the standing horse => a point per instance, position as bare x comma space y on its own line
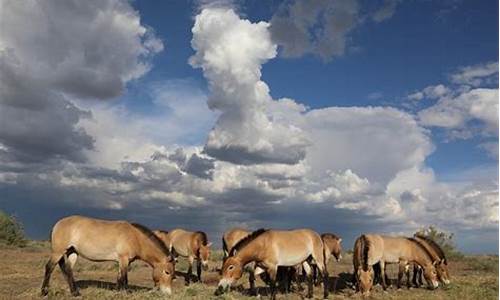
401, 250
437, 256
272, 248
193, 245
99, 240
231, 238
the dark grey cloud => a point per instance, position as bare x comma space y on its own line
323, 27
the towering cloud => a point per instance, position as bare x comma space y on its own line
230, 52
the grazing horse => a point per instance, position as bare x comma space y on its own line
401, 250
229, 240
193, 245
272, 248
100, 240
437, 256
363, 272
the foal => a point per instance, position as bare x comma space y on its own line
99, 240
193, 245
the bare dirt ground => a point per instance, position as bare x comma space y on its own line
21, 274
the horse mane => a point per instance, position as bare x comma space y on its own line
434, 246
204, 238
162, 231
152, 237
246, 240
330, 235
422, 247
365, 246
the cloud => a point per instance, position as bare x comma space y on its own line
386, 11
477, 75
430, 92
456, 112
53, 53
322, 27
89, 50
230, 51
317, 27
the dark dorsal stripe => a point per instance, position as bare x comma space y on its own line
246, 240
330, 235
365, 246
203, 236
434, 246
419, 245
152, 237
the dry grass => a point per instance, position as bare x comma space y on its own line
474, 277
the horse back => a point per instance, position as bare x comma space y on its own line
233, 236
93, 238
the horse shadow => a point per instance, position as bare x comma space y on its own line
83, 284
341, 282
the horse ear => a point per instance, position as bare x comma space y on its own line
209, 244
436, 262
340, 240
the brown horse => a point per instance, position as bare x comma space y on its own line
99, 240
363, 272
401, 250
437, 256
272, 248
193, 245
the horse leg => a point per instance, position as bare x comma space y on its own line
307, 269
382, 274
198, 269
68, 274
122, 281
401, 271
407, 271
419, 277
323, 272
190, 269
251, 279
49, 268
272, 280
414, 278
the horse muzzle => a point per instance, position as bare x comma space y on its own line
221, 290
166, 290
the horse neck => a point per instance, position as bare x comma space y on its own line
421, 256
251, 252
148, 251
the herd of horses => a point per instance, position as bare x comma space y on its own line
279, 257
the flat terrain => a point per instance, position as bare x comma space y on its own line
21, 274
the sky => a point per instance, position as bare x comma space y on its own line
344, 116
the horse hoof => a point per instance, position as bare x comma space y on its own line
44, 292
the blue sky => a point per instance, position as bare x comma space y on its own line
356, 115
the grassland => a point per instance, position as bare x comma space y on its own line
21, 274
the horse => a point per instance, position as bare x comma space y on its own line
363, 272
333, 245
401, 250
272, 248
231, 238
193, 245
101, 240
437, 255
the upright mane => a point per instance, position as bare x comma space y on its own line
330, 235
426, 251
365, 246
152, 237
246, 240
434, 246
204, 239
